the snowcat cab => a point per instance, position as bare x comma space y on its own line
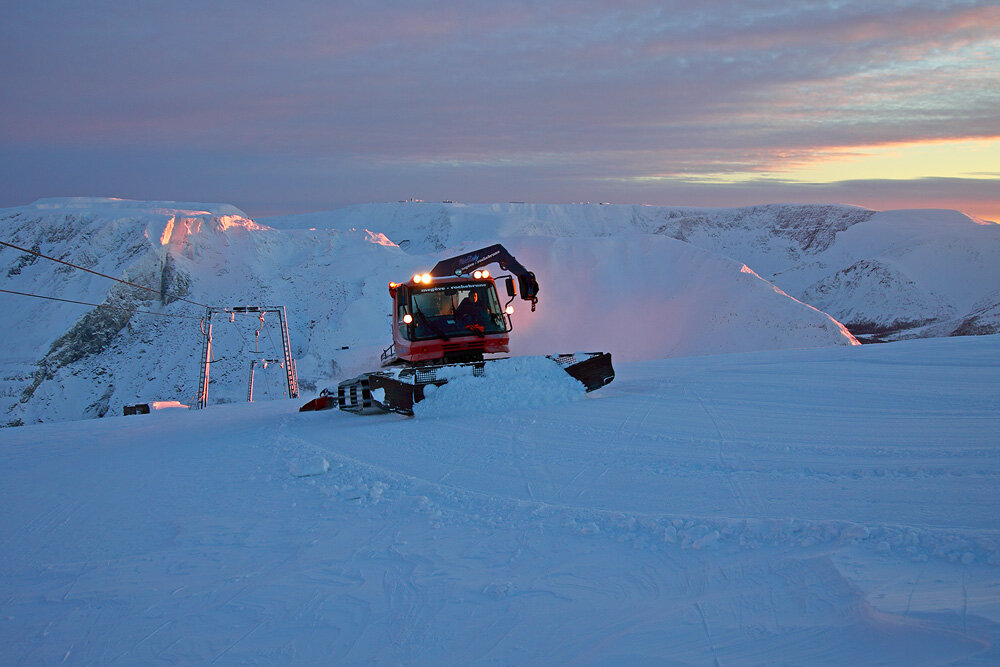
451, 319
443, 323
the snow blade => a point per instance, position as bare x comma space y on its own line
594, 370
322, 402
398, 390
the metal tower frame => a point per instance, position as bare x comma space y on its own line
287, 362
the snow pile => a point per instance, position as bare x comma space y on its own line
509, 385
308, 466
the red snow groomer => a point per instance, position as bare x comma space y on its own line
443, 323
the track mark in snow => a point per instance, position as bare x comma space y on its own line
724, 466
508, 626
909, 597
238, 641
137, 644
708, 633
965, 603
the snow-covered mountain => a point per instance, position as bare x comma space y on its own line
640, 282
907, 274
898, 274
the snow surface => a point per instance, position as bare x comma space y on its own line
824, 506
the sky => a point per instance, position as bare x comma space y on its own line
312, 105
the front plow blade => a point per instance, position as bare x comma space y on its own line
593, 369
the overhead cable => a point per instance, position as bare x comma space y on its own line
103, 275
98, 305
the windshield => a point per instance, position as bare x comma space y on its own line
462, 309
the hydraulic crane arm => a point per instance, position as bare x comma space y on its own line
477, 259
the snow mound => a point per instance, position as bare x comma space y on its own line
508, 386
308, 466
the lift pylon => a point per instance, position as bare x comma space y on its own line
291, 377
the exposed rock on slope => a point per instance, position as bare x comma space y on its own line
984, 318
866, 292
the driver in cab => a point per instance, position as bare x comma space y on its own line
473, 313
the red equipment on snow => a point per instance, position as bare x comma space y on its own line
443, 323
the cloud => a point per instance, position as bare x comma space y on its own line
589, 89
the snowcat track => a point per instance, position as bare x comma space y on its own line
379, 392
356, 396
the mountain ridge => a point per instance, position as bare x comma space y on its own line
612, 276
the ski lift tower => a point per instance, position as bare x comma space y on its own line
206, 349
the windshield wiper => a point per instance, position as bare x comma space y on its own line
430, 325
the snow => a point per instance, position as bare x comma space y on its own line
926, 264
310, 466
833, 505
609, 282
754, 487
507, 385
923, 265
923, 272
653, 297
165, 405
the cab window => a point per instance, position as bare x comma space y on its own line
454, 311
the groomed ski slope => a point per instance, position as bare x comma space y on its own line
831, 506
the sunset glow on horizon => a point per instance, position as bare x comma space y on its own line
964, 158
970, 159
320, 105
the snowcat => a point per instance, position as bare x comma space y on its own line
444, 323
